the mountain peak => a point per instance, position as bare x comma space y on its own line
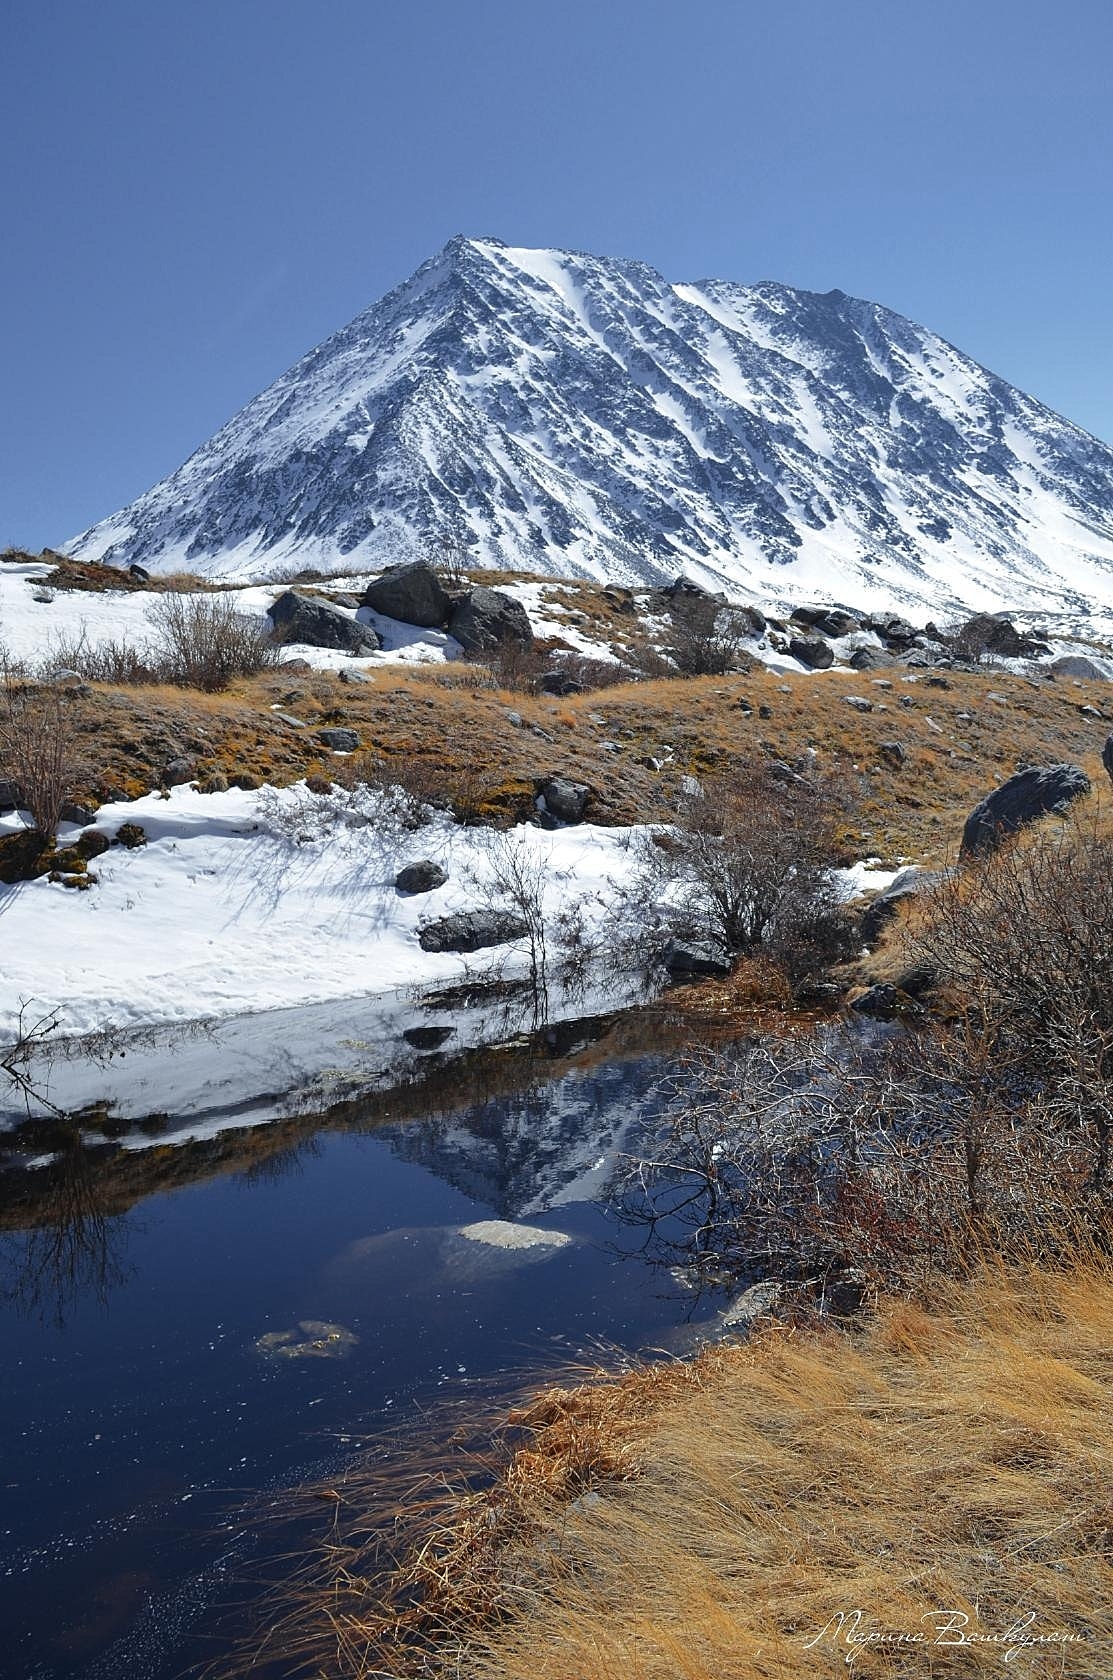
577, 415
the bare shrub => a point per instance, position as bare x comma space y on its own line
202, 641
745, 868
706, 638
114, 660
38, 750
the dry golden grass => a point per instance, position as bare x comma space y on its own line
752, 1513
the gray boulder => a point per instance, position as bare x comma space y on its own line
998, 635
1025, 797
485, 618
471, 930
558, 683
339, 740
829, 621
565, 799
9, 796
413, 593
812, 651
74, 812
893, 630
428, 1038
683, 958
869, 659
1076, 665
420, 877
303, 618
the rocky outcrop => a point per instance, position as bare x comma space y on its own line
303, 618
413, 593
1076, 665
565, 799
1024, 798
812, 651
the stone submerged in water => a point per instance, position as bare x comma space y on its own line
1025, 797
313, 1338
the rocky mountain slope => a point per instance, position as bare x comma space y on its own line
579, 416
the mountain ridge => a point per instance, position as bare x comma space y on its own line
566, 414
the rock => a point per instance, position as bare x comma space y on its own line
893, 630
1076, 665
139, 574
130, 835
859, 702
413, 593
486, 617
302, 618
910, 883
178, 772
812, 651
829, 621
289, 719
1106, 759
765, 711
353, 674
73, 812
917, 981
9, 796
471, 930
421, 877
939, 682
43, 595
247, 780
892, 752
565, 799
684, 589
339, 740
753, 1303
880, 1002
297, 668
428, 1038
998, 635
558, 683
869, 659
1028, 795
682, 958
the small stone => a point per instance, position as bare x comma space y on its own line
353, 674
423, 876
859, 702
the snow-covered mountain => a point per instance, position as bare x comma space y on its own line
583, 416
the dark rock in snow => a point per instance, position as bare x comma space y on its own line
829, 621
1028, 795
73, 812
412, 593
421, 877
302, 618
471, 930
894, 631
812, 651
565, 799
339, 740
682, 958
486, 617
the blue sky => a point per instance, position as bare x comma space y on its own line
193, 194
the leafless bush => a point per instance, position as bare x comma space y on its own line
706, 638
201, 641
38, 750
111, 661
745, 869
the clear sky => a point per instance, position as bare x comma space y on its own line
195, 192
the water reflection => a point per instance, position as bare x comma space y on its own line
75, 1250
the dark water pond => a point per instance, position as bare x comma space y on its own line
145, 1429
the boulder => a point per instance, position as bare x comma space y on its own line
1076, 665
486, 617
880, 1002
893, 630
558, 683
682, 958
684, 589
869, 659
420, 877
753, 1303
1025, 797
412, 593
892, 752
996, 634
303, 618
565, 799
139, 574
339, 740
829, 621
9, 796
1106, 759
812, 651
471, 930
178, 772
74, 812
859, 702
